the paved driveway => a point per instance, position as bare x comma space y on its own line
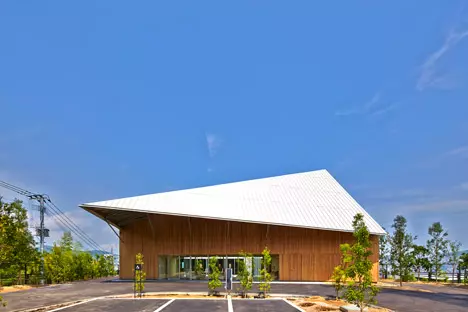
439, 299
179, 305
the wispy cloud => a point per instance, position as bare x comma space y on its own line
461, 152
464, 186
385, 109
429, 77
213, 143
374, 107
362, 109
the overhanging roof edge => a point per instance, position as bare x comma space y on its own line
87, 207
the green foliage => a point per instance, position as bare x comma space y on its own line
360, 289
438, 247
420, 259
265, 275
66, 262
339, 272
454, 256
384, 255
199, 271
464, 267
140, 276
17, 247
214, 281
401, 245
244, 273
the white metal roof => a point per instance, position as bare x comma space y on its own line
307, 200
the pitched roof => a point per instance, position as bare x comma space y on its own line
307, 200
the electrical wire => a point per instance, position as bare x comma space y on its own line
57, 214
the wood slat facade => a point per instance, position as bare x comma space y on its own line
304, 254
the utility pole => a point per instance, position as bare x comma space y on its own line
41, 231
41, 236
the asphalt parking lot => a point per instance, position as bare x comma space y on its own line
178, 305
429, 298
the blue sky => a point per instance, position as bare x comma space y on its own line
108, 99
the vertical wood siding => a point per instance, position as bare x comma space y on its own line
304, 254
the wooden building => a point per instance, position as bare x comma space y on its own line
302, 219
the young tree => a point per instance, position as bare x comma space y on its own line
420, 260
437, 247
244, 273
199, 269
265, 275
214, 281
401, 244
339, 272
360, 289
139, 275
454, 257
66, 241
384, 255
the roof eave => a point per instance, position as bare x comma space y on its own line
89, 208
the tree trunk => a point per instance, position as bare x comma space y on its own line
401, 277
419, 273
453, 274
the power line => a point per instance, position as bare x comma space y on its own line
72, 227
58, 215
77, 228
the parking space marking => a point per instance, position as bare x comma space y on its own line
197, 305
230, 309
164, 305
75, 304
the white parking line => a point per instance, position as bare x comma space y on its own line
75, 304
164, 305
230, 309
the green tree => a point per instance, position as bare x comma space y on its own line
464, 266
140, 275
265, 275
438, 247
198, 269
401, 244
339, 272
110, 265
102, 265
420, 259
384, 255
244, 273
360, 289
214, 281
454, 256
17, 246
66, 241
